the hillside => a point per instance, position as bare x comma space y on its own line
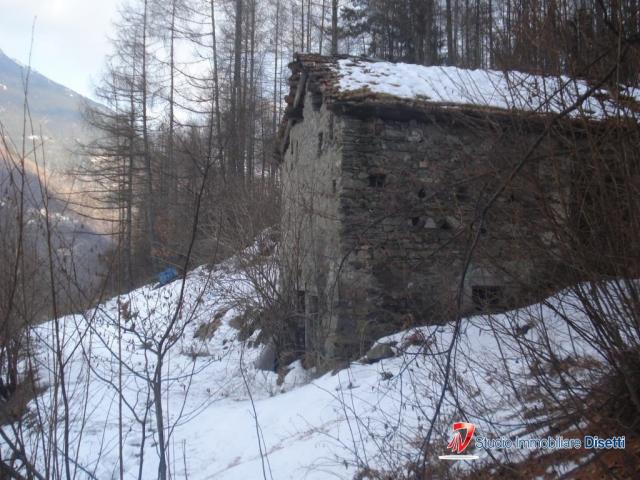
56, 112
226, 419
78, 242
57, 129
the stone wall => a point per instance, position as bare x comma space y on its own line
413, 192
311, 175
380, 213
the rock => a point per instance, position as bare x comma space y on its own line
415, 136
430, 223
267, 358
379, 352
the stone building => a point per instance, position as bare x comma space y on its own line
399, 206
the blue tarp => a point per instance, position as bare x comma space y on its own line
167, 276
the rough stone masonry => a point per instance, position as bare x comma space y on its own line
383, 198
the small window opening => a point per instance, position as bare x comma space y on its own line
301, 329
462, 195
301, 306
334, 186
487, 297
313, 304
444, 224
415, 221
422, 193
377, 180
316, 101
320, 139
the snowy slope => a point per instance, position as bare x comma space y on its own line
327, 427
487, 88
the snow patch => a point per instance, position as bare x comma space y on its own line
215, 399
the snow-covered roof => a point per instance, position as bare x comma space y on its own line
349, 82
355, 78
480, 88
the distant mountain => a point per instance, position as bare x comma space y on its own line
56, 111
56, 115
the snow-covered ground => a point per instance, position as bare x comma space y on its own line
225, 419
487, 88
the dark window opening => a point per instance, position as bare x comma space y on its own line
310, 322
422, 193
301, 330
487, 297
462, 195
415, 221
444, 224
301, 307
334, 186
316, 101
377, 180
320, 139
483, 230
313, 304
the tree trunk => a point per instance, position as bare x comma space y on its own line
308, 25
157, 401
334, 27
216, 91
276, 73
302, 38
150, 213
171, 171
451, 56
251, 88
129, 193
236, 91
477, 42
324, 12
490, 20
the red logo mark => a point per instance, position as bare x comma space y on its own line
457, 444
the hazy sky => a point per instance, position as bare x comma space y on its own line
70, 40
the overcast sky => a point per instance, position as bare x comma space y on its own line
70, 40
